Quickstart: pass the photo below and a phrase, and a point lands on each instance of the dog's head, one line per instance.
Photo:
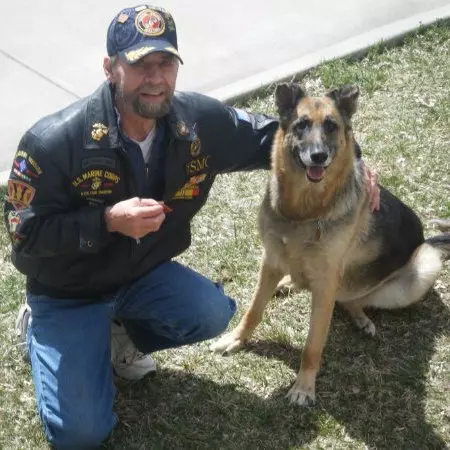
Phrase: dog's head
(316, 129)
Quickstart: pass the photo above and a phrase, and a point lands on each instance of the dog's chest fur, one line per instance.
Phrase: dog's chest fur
(307, 249)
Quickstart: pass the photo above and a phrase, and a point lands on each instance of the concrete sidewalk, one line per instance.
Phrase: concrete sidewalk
(51, 52)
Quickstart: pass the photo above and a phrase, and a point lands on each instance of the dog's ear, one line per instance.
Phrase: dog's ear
(346, 99)
(287, 95)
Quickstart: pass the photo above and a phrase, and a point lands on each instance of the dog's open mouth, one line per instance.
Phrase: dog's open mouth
(315, 173)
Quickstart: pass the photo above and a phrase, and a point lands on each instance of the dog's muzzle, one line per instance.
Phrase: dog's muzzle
(314, 161)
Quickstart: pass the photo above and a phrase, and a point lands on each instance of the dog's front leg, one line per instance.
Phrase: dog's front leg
(323, 300)
(268, 279)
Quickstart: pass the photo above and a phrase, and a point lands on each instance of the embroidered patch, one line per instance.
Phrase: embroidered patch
(99, 131)
(13, 221)
(150, 23)
(26, 165)
(196, 147)
(21, 175)
(191, 189)
(197, 165)
(20, 194)
(95, 182)
(182, 128)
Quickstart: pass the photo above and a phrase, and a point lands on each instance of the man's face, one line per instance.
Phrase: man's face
(147, 86)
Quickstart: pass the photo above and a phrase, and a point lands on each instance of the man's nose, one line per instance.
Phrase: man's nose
(153, 73)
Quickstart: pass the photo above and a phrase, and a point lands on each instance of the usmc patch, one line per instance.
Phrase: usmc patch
(93, 183)
(150, 23)
(99, 131)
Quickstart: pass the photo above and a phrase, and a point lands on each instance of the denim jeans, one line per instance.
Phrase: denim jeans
(69, 345)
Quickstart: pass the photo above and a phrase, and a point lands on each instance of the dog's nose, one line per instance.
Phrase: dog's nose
(318, 157)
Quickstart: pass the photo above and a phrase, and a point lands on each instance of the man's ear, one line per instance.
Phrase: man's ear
(346, 99)
(287, 95)
(108, 69)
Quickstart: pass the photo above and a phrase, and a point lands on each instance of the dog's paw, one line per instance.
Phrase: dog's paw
(365, 325)
(301, 396)
(284, 287)
(369, 328)
(227, 344)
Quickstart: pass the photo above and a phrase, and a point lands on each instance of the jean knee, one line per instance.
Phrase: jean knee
(79, 432)
(214, 320)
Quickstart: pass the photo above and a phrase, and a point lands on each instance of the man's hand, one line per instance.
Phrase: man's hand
(135, 217)
(373, 190)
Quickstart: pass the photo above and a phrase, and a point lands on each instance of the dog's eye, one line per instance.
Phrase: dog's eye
(302, 125)
(330, 126)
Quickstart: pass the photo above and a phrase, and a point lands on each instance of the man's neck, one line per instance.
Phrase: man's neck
(134, 126)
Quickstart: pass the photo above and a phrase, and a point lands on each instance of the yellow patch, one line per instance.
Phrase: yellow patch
(20, 194)
(95, 182)
(191, 189)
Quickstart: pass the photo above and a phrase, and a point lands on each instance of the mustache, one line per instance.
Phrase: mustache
(150, 89)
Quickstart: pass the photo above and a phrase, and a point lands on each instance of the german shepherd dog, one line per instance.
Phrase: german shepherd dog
(316, 226)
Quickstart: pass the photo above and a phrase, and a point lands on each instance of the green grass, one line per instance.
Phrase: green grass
(390, 392)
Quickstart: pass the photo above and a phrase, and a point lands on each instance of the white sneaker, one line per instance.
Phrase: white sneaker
(21, 327)
(127, 360)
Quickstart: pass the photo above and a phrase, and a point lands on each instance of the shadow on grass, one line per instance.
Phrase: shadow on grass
(177, 410)
(375, 387)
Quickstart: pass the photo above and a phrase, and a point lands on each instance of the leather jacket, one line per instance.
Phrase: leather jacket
(73, 164)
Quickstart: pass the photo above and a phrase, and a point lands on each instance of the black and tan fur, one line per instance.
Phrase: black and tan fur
(317, 228)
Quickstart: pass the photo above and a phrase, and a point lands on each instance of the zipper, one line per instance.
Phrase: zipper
(132, 183)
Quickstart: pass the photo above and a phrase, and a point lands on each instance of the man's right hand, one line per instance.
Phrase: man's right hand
(135, 217)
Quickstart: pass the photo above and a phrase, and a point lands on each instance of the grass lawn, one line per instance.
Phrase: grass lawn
(388, 392)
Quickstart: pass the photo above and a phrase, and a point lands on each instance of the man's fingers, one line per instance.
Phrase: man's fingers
(151, 224)
(148, 211)
(148, 202)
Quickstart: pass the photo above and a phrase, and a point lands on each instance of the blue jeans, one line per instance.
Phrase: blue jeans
(69, 345)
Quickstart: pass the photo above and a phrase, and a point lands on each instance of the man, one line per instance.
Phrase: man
(100, 199)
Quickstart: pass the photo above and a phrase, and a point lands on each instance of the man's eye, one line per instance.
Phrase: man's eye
(167, 63)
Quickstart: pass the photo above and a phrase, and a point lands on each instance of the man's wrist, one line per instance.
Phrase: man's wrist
(108, 219)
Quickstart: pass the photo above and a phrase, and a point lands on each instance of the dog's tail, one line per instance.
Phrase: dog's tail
(441, 242)
(442, 224)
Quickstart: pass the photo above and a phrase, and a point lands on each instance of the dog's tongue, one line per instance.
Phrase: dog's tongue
(315, 173)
